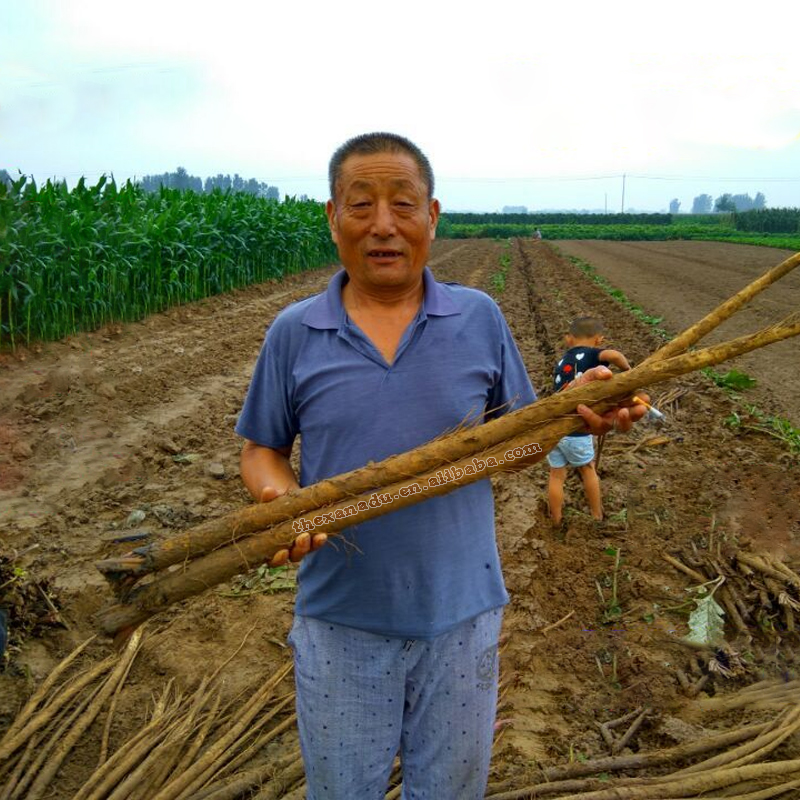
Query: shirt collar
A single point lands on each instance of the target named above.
(327, 312)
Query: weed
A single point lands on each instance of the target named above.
(612, 610)
(263, 580)
(733, 380)
(620, 516)
(576, 755)
(779, 428)
(776, 427)
(733, 420)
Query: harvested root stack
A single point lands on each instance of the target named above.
(191, 746)
(54, 720)
(260, 531)
(738, 767)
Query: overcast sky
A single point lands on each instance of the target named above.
(515, 103)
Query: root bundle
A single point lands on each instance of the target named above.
(217, 550)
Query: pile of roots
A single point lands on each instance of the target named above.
(191, 745)
(195, 746)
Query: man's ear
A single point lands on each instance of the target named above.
(330, 211)
(569, 340)
(434, 209)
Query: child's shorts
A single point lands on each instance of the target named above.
(575, 451)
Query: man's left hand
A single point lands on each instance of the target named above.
(620, 418)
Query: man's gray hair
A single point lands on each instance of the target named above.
(368, 144)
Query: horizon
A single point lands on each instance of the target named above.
(683, 210)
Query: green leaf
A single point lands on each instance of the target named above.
(706, 622)
(733, 379)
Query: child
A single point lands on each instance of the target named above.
(577, 449)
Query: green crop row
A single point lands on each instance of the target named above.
(75, 260)
(561, 218)
(620, 233)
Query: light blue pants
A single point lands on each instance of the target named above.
(361, 698)
(575, 451)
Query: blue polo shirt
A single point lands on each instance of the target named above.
(419, 571)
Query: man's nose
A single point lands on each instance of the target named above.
(383, 223)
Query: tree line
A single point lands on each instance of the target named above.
(704, 203)
(182, 180)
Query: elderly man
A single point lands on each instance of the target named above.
(396, 629)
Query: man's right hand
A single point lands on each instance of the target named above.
(303, 544)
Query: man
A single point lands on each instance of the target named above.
(396, 626)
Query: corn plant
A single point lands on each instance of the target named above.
(78, 259)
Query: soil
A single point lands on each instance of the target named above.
(139, 418)
(683, 281)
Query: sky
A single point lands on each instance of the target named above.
(513, 102)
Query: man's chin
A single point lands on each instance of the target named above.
(395, 274)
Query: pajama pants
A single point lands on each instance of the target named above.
(362, 697)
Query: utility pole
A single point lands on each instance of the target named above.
(606, 203)
(622, 210)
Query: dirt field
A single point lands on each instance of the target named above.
(90, 429)
(682, 281)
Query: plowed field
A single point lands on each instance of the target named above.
(90, 429)
(683, 281)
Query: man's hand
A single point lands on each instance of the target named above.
(621, 418)
(303, 544)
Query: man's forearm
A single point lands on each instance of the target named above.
(264, 466)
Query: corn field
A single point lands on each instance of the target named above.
(769, 220)
(77, 259)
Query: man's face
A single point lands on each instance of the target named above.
(382, 221)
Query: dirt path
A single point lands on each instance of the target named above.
(682, 281)
(130, 420)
